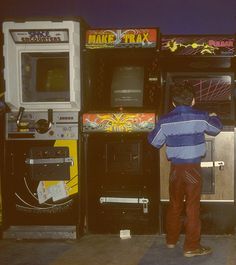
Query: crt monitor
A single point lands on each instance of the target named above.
(127, 85)
(45, 77)
(213, 92)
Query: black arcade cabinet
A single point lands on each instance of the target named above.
(121, 102)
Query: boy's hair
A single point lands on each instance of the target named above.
(182, 93)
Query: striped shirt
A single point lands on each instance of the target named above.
(183, 132)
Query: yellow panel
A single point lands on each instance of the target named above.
(72, 184)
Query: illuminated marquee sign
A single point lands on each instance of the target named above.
(198, 45)
(118, 122)
(121, 38)
(40, 36)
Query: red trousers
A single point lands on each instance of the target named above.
(185, 190)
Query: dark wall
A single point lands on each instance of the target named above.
(172, 17)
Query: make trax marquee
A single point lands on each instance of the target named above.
(121, 38)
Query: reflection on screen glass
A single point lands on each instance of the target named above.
(52, 75)
(127, 86)
(45, 77)
(212, 89)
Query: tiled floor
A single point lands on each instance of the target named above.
(111, 250)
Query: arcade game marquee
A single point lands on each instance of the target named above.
(43, 80)
(207, 62)
(122, 96)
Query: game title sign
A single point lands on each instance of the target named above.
(121, 38)
(198, 45)
(40, 36)
(118, 122)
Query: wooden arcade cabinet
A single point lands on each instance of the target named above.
(207, 63)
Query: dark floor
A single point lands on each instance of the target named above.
(111, 250)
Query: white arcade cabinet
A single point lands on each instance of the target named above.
(43, 91)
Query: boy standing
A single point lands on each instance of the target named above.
(182, 131)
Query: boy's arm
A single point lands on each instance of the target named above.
(214, 125)
(156, 137)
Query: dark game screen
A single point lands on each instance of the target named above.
(212, 93)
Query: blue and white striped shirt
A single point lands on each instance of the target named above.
(183, 132)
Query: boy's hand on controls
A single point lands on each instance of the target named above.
(212, 114)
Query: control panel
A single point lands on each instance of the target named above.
(43, 125)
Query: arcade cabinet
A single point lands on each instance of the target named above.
(2, 110)
(43, 91)
(207, 63)
(121, 102)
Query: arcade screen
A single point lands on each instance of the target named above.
(213, 93)
(45, 77)
(127, 86)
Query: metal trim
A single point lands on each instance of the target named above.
(40, 161)
(167, 200)
(123, 200)
(212, 164)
